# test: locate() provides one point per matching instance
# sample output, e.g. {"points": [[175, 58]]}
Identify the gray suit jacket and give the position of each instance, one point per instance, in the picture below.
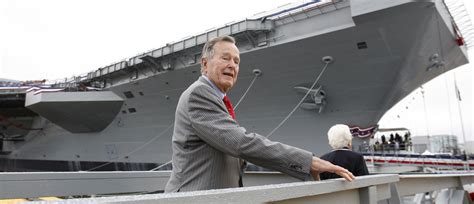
{"points": [[207, 143]]}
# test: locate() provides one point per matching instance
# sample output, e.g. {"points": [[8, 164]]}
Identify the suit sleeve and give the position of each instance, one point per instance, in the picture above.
{"points": [[214, 125]]}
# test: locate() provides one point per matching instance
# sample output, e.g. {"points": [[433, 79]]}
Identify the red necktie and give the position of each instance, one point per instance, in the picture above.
{"points": [[243, 164], [228, 105]]}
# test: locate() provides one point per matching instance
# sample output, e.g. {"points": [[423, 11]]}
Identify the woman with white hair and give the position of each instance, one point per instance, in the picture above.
{"points": [[340, 139]]}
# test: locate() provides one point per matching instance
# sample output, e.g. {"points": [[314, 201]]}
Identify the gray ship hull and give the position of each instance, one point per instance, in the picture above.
{"points": [[381, 53]]}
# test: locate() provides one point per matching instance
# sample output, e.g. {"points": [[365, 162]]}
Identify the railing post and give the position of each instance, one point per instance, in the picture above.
{"points": [[368, 195], [452, 196], [464, 180], [395, 197]]}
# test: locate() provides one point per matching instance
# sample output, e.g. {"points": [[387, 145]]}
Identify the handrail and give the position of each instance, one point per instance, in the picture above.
{"points": [[323, 192], [362, 189], [38, 184], [413, 184], [365, 189]]}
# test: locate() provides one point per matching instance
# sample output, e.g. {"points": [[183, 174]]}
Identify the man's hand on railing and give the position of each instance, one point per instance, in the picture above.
{"points": [[318, 166]]}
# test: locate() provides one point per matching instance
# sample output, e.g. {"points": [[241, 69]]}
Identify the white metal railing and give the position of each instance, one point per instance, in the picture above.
{"points": [[413, 184], [420, 161], [366, 189], [39, 184]]}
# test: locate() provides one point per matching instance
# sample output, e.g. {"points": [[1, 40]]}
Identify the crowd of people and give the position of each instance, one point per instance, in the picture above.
{"points": [[395, 143]]}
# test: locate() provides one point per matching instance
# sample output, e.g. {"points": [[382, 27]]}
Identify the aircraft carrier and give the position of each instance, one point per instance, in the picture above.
{"points": [[304, 67]]}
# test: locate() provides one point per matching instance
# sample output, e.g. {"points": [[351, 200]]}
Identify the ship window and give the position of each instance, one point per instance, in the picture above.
{"points": [[128, 94], [197, 58], [361, 45], [124, 111], [132, 110]]}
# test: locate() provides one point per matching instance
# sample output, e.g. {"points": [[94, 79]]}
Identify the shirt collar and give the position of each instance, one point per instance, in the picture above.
{"points": [[218, 91], [344, 148]]}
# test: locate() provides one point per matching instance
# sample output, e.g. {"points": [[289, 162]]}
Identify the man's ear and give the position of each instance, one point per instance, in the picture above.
{"points": [[203, 65]]}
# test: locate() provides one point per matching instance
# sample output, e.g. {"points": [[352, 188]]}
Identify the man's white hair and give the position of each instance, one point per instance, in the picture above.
{"points": [[339, 136]]}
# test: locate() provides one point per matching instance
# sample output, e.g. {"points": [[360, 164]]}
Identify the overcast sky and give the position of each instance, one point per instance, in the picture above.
{"points": [[53, 39]]}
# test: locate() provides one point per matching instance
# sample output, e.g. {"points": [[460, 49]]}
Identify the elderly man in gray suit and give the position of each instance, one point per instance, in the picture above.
{"points": [[208, 144]]}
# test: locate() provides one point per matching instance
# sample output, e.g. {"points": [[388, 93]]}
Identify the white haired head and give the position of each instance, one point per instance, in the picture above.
{"points": [[339, 136]]}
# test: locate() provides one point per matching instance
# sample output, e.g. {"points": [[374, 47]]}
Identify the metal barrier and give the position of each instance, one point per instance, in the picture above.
{"points": [[413, 184], [38, 184], [385, 188]]}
